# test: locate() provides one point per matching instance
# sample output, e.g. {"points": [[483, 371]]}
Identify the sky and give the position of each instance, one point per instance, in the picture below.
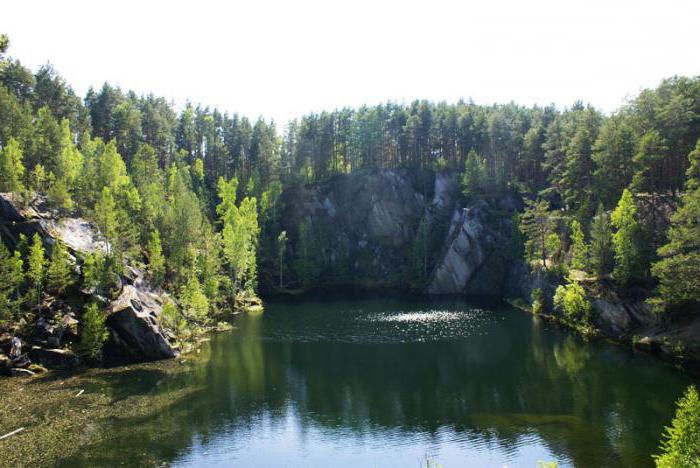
{"points": [[283, 59]]}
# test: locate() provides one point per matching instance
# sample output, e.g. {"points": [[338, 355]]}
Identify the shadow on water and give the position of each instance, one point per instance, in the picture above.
{"points": [[481, 379]]}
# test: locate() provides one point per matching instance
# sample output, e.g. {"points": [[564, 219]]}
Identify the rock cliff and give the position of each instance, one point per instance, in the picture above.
{"points": [[133, 317], [380, 228]]}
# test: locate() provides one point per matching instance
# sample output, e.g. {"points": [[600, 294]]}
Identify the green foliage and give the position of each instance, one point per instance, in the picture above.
{"points": [[36, 266], [649, 159], [579, 249], [11, 279], [173, 320], [93, 333], [678, 269], [538, 301], [571, 300], [475, 175], [240, 233], [106, 218], [537, 225], [552, 245], [194, 303], [601, 248], [11, 168], [156, 261], [680, 446], [626, 240], [93, 272], [59, 274]]}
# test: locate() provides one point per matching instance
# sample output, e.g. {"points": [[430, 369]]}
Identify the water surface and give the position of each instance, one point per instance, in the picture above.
{"points": [[390, 383]]}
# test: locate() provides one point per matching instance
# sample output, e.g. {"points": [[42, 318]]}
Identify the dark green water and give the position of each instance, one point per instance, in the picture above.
{"points": [[391, 383]]}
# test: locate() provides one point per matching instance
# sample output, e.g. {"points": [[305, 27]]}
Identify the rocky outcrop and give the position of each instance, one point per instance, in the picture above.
{"points": [[363, 225], [133, 319], [474, 258], [134, 325], [403, 229]]}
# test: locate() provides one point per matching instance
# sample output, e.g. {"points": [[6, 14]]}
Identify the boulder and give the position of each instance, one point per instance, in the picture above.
{"points": [[54, 358], [612, 318], [135, 332]]}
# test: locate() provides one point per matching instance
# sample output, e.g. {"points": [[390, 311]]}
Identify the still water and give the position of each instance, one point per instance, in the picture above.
{"points": [[392, 382]]}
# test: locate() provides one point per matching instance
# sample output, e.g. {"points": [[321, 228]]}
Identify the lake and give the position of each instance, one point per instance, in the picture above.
{"points": [[380, 382]]}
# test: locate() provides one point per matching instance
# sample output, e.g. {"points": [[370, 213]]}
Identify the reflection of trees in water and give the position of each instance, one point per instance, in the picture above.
{"points": [[580, 399]]}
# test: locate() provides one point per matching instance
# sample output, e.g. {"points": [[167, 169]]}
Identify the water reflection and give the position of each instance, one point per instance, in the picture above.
{"points": [[351, 383]]}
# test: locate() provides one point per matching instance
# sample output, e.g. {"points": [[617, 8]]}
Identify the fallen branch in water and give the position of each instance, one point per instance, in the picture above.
{"points": [[9, 434]]}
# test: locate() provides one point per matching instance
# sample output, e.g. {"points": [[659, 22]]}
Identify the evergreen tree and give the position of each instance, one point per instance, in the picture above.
{"points": [[93, 272], [11, 168], [678, 269], [93, 333], [475, 174], [680, 446], [613, 154], [156, 261], [36, 269], [579, 249], [106, 218], [59, 274], [536, 224], [11, 278], [626, 240], [601, 248]]}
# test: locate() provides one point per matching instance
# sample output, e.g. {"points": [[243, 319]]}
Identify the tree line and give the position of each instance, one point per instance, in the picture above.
{"points": [[162, 183]]}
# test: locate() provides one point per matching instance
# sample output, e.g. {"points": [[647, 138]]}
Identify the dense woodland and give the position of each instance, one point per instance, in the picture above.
{"points": [[188, 192]]}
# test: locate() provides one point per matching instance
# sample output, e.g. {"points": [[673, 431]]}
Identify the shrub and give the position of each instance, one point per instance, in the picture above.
{"points": [[571, 299]]}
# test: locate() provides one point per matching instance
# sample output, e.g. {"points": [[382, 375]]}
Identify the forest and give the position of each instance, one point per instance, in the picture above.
{"points": [[188, 192]]}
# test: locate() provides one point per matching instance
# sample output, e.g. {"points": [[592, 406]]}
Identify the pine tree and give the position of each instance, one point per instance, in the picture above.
{"points": [[601, 248], [93, 273], [680, 446], [536, 225], [11, 278], [579, 249], [156, 261], [678, 269], [93, 334], [475, 174], [626, 240], [106, 218], [11, 168], [36, 270], [59, 275]]}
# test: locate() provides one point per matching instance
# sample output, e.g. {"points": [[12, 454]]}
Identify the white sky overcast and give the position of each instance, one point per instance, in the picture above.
{"points": [[282, 59]]}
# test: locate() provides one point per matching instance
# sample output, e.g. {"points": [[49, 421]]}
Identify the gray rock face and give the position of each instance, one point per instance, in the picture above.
{"points": [[135, 332], [618, 318], [364, 223], [474, 259], [467, 247]]}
